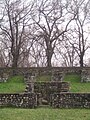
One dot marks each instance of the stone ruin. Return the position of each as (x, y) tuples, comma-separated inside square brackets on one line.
[(29, 77), (54, 93), (57, 76), (36, 93), (3, 76), (45, 89), (85, 76)]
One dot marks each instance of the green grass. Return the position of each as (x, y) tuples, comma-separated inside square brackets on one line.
[(44, 114), (43, 78), (76, 85), (13, 85)]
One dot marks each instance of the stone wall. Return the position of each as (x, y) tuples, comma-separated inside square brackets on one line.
[(39, 70), (55, 72), (45, 89), (19, 100), (57, 100), (70, 100), (85, 76), (53, 86)]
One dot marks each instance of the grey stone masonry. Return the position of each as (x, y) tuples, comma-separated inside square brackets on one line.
[(19, 100), (70, 100), (52, 86), (57, 100), (29, 78), (45, 89), (85, 76), (9, 71), (3, 76), (57, 76)]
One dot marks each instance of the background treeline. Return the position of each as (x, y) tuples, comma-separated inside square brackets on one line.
[(44, 33)]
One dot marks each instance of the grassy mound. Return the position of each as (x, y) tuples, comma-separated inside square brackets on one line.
[(76, 85), (13, 85)]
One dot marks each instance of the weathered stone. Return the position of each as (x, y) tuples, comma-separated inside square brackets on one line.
[(19, 100), (57, 76), (47, 88), (70, 100), (85, 76), (39, 70)]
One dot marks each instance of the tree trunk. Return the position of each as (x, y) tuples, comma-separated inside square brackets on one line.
[(14, 63), (49, 61), (15, 60), (81, 61), (49, 53)]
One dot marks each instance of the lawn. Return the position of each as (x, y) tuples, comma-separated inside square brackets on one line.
[(13, 85), (76, 85), (44, 114)]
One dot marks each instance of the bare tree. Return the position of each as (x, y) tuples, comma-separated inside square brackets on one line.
[(49, 17), (79, 34), (67, 53), (13, 27)]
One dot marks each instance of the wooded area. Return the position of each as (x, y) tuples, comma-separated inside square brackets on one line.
[(42, 33)]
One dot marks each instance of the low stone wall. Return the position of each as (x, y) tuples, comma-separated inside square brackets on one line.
[(19, 100), (70, 100), (6, 72), (52, 86), (57, 73), (57, 100)]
